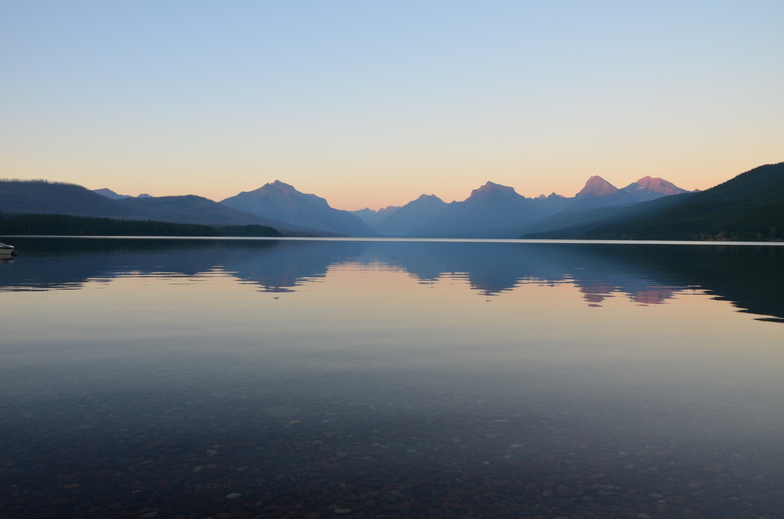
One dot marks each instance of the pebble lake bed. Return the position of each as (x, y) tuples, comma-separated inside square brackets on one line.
[(390, 379)]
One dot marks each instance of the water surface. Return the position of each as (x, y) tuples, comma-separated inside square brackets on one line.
[(390, 379)]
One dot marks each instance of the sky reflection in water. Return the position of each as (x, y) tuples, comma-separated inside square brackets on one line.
[(399, 379)]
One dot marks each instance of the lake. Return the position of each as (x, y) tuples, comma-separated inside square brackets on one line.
[(385, 379)]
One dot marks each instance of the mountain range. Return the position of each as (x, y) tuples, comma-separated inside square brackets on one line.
[(41, 197), (497, 211), (747, 207)]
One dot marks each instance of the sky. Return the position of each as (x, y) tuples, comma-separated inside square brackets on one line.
[(370, 104)]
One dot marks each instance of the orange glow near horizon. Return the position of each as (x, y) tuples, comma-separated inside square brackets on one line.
[(381, 191)]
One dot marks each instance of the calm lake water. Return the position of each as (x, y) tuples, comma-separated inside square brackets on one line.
[(371, 379)]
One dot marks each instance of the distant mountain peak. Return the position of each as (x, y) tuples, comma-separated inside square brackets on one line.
[(281, 190), (492, 187), (282, 202), (389, 209), (282, 185), (371, 217), (596, 186), (108, 193), (659, 185), (412, 215)]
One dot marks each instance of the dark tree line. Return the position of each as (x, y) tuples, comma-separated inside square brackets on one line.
[(64, 225)]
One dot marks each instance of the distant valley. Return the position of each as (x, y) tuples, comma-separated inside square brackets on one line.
[(748, 207)]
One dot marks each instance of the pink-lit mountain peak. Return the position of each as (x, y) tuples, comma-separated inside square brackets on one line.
[(596, 186), (659, 185)]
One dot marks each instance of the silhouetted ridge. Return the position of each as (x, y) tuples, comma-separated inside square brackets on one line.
[(411, 216), (108, 193), (53, 198), (282, 202), (489, 212), (372, 217)]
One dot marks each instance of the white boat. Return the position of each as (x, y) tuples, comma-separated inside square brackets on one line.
[(6, 251)]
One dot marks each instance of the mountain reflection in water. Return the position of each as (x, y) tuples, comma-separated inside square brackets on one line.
[(750, 277)]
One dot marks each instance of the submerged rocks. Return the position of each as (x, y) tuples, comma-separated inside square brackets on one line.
[(383, 456)]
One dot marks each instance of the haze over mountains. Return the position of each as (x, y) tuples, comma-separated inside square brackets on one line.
[(491, 211)]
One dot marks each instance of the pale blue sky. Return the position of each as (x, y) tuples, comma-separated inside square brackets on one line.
[(375, 103)]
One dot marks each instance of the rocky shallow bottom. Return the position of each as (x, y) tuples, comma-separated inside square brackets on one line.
[(287, 450)]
